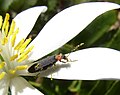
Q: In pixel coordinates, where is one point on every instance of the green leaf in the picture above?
(91, 36)
(19, 5)
(75, 86)
(115, 41)
(52, 4)
(4, 4)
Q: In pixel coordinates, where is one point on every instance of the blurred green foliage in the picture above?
(103, 31)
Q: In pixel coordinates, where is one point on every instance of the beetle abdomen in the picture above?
(42, 64)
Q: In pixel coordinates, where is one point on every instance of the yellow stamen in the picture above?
(12, 71)
(22, 48)
(24, 55)
(13, 57)
(27, 51)
(14, 37)
(5, 21)
(22, 58)
(16, 31)
(51, 77)
(2, 75)
(4, 40)
(0, 50)
(12, 27)
(13, 40)
(2, 64)
(6, 28)
(19, 44)
(1, 20)
(23, 67)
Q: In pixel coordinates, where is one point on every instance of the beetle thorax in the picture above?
(59, 57)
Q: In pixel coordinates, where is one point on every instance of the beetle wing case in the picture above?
(32, 68)
(42, 64)
(47, 62)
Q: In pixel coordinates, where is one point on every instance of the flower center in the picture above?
(13, 56)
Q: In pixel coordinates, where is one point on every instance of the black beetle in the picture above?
(46, 63)
(50, 61)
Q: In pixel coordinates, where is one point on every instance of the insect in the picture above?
(50, 61)
(47, 62)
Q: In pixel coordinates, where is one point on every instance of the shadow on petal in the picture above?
(54, 69)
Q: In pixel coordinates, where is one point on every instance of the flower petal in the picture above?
(26, 20)
(66, 25)
(19, 86)
(89, 64)
(26, 73)
(4, 86)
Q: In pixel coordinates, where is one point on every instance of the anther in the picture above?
(22, 58)
(0, 50)
(13, 57)
(5, 21)
(14, 37)
(4, 40)
(13, 40)
(22, 48)
(17, 47)
(6, 28)
(27, 51)
(2, 64)
(2, 75)
(12, 71)
(1, 20)
(12, 27)
(22, 67)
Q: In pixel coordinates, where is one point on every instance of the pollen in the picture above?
(22, 58)
(2, 75)
(0, 50)
(12, 27)
(23, 67)
(1, 20)
(2, 64)
(22, 48)
(19, 44)
(4, 40)
(27, 51)
(7, 28)
(14, 37)
(12, 71)
(13, 57)
(6, 20)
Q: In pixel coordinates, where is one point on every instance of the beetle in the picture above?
(50, 61)
(47, 62)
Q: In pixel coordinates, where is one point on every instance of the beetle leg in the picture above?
(51, 77)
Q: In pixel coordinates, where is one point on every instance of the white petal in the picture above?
(26, 73)
(19, 86)
(66, 25)
(26, 20)
(4, 86)
(90, 64)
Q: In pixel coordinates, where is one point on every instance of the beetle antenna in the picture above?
(81, 44)
(76, 47)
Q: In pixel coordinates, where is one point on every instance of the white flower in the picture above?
(16, 56)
